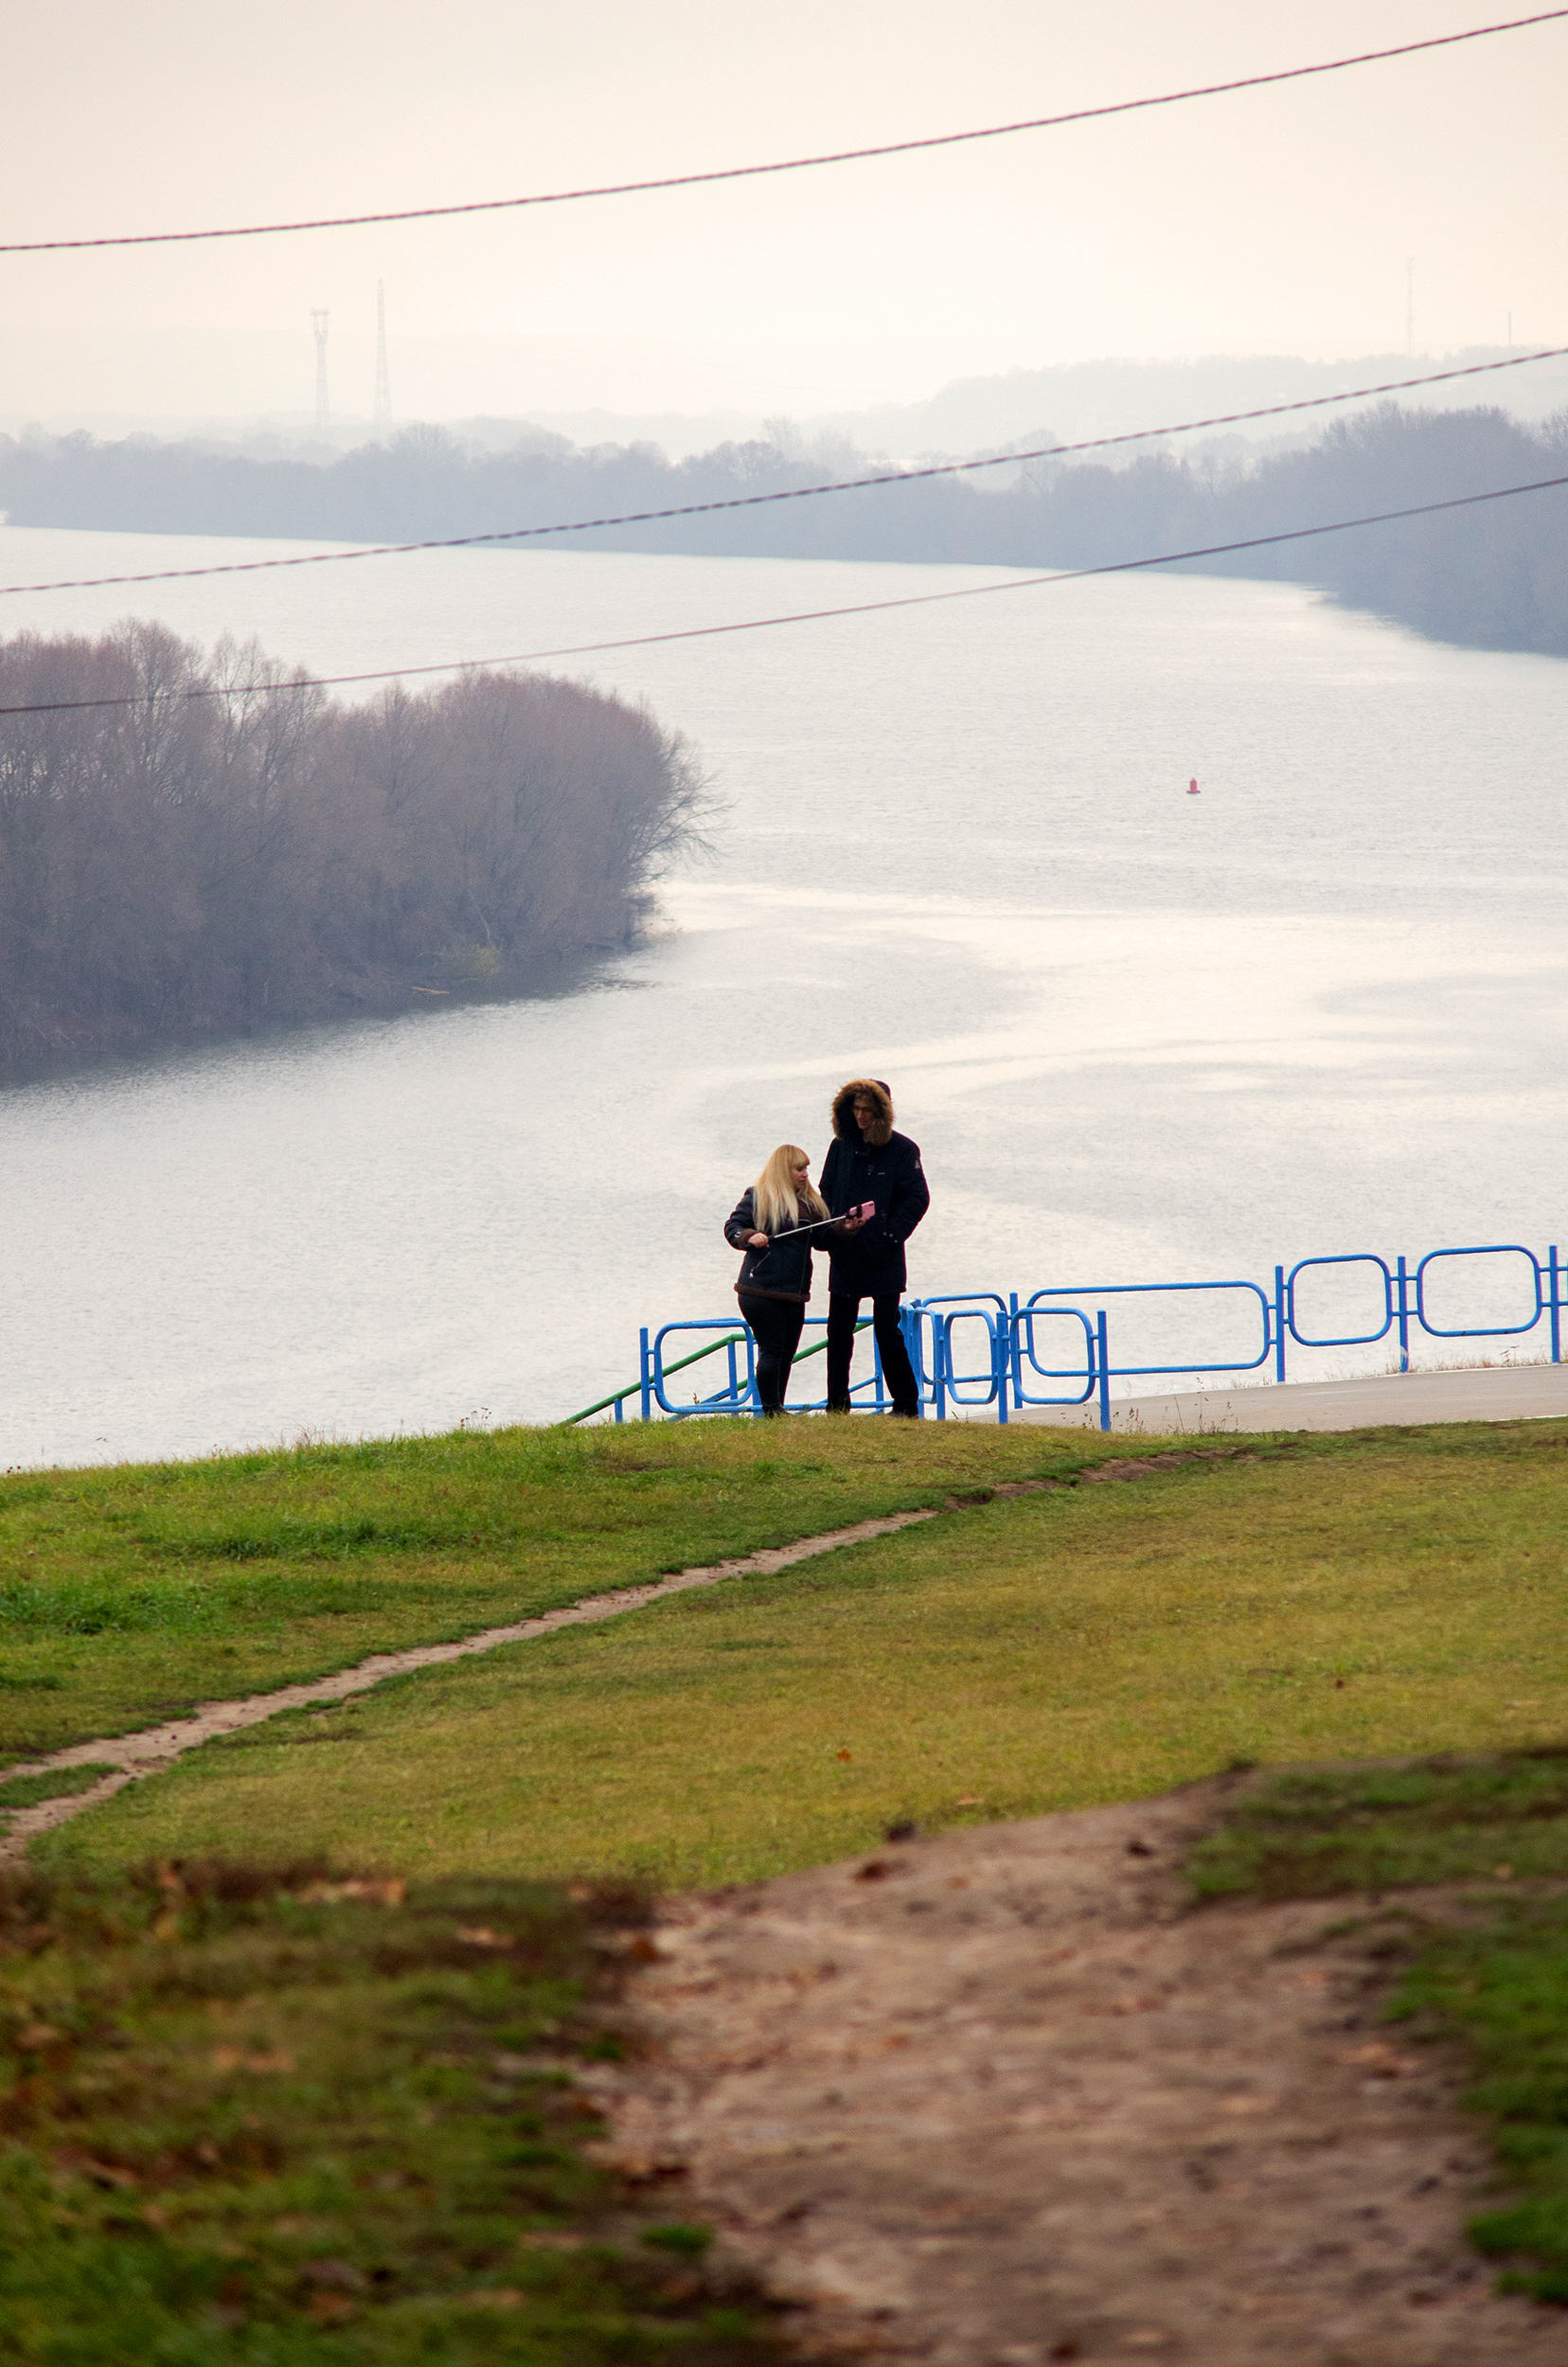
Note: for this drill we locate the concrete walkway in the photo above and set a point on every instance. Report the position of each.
(1494, 1392)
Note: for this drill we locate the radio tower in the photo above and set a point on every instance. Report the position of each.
(384, 376)
(323, 413)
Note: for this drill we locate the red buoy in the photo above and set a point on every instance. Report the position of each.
(1193, 790)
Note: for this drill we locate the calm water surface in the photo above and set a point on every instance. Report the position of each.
(1140, 1035)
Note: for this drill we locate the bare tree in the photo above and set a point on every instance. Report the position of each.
(221, 846)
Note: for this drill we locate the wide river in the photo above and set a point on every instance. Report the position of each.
(1140, 1035)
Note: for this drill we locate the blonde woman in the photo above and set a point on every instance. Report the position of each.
(775, 1222)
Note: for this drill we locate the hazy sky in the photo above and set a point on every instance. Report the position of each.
(1269, 220)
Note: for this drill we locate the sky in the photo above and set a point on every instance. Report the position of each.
(1265, 222)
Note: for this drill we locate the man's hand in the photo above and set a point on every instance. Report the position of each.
(756, 1241)
(851, 1224)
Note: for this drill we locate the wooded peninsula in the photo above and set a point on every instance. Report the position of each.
(197, 843)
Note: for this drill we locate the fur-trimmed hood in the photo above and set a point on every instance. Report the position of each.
(880, 1132)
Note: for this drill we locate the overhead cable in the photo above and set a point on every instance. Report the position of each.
(787, 164)
(805, 615)
(788, 494)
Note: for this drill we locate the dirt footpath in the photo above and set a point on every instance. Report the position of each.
(997, 2098)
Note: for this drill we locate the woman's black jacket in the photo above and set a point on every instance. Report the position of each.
(871, 1263)
(783, 1270)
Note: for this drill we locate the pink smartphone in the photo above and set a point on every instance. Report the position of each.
(867, 1210)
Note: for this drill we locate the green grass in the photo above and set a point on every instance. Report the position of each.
(1316, 1831)
(1492, 1968)
(1503, 1987)
(1335, 1600)
(252, 2119)
(24, 1792)
(128, 1594)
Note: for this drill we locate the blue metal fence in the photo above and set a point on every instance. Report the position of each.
(977, 1351)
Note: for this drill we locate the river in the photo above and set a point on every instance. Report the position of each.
(1140, 1035)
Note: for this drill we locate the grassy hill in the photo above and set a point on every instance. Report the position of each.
(287, 2032)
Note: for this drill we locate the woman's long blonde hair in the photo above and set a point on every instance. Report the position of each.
(776, 1200)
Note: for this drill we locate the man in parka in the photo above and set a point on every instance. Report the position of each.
(867, 1161)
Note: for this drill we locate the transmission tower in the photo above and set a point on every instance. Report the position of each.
(384, 376)
(324, 412)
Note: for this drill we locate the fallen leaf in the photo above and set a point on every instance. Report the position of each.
(1382, 2060)
(480, 1936)
(390, 1893)
(101, 2173)
(842, 1755)
(969, 1800)
(341, 2273)
(228, 2058)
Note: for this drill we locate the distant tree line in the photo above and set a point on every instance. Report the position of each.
(1495, 577)
(226, 849)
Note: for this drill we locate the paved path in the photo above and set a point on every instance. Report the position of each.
(1494, 1392)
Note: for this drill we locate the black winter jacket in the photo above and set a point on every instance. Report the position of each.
(888, 1171)
(783, 1270)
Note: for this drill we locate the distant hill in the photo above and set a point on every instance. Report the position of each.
(1493, 576)
(1084, 398)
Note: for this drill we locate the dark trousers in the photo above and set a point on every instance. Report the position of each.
(774, 1325)
(898, 1372)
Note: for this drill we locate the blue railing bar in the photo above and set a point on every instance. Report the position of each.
(954, 1382)
(1122, 1290)
(1134, 1290)
(738, 1396)
(1556, 1308)
(1348, 1339)
(1476, 1331)
(1102, 1357)
(1025, 1318)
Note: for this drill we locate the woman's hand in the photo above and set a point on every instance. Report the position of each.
(756, 1241)
(851, 1224)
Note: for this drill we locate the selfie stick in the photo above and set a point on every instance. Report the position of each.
(867, 1209)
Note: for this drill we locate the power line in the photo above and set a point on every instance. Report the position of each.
(788, 164)
(811, 615)
(789, 493)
